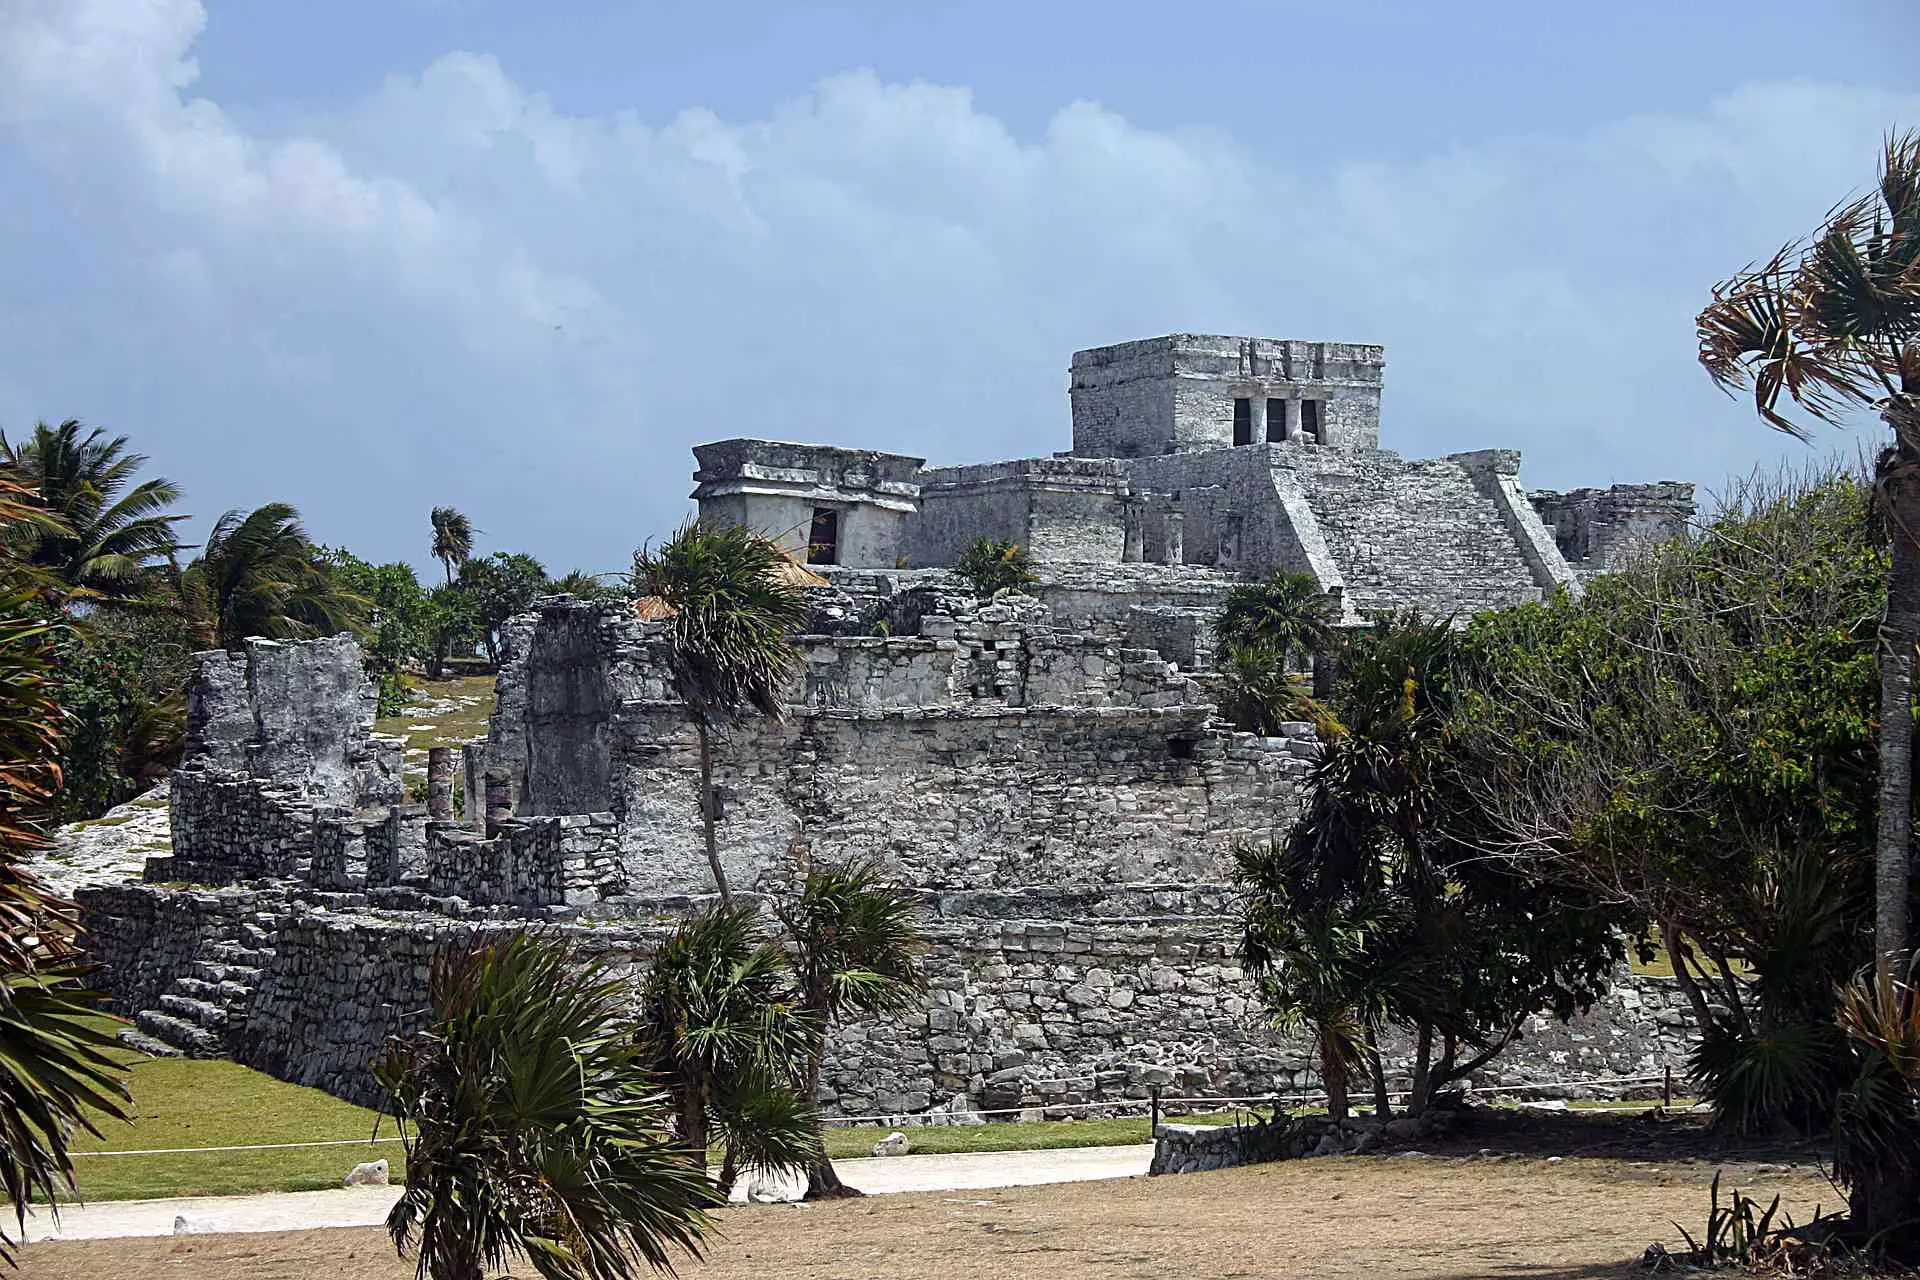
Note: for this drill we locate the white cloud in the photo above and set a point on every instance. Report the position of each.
(451, 291)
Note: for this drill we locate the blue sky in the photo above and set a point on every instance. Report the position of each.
(377, 255)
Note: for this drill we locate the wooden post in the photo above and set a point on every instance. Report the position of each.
(1155, 1128)
(1666, 1089)
(440, 784)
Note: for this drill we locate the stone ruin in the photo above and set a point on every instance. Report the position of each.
(1048, 773)
(1064, 806)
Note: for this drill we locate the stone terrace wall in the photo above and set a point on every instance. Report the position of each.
(1023, 1011)
(1005, 800)
(991, 749)
(230, 827)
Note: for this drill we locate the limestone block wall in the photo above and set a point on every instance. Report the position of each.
(1238, 519)
(1059, 509)
(1602, 529)
(1031, 1003)
(229, 827)
(286, 712)
(1176, 393)
(1006, 799)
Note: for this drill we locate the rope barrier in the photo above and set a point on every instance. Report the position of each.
(931, 1119)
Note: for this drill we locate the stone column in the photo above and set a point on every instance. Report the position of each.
(440, 784)
(1257, 410)
(1130, 545)
(1173, 534)
(499, 801)
(1290, 419)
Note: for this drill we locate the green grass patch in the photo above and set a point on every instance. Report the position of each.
(474, 696)
(189, 1103)
(845, 1142)
(180, 1102)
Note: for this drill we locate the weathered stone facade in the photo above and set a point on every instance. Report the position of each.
(1040, 999)
(1049, 773)
(1235, 455)
(1064, 804)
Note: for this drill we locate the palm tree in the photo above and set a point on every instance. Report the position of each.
(731, 610)
(1316, 965)
(532, 1125)
(452, 539)
(1832, 324)
(992, 565)
(855, 948)
(721, 1025)
(260, 575)
(116, 533)
(1285, 616)
(57, 1069)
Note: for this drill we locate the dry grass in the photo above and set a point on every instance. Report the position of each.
(1402, 1216)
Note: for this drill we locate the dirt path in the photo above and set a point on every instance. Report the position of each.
(1400, 1216)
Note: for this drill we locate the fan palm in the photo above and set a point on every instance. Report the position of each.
(57, 1070)
(721, 1025)
(452, 539)
(1832, 325)
(1285, 616)
(112, 534)
(1315, 962)
(260, 575)
(992, 565)
(730, 613)
(855, 945)
(532, 1125)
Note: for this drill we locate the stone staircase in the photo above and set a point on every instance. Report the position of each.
(201, 1011)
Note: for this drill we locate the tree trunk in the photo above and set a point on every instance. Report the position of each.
(1422, 1070)
(823, 1180)
(1676, 956)
(729, 1173)
(1382, 1100)
(709, 818)
(1885, 1202)
(1333, 1071)
(1892, 872)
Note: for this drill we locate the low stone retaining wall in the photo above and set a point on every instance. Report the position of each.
(1021, 1012)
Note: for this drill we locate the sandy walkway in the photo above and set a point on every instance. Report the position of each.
(1335, 1218)
(366, 1207)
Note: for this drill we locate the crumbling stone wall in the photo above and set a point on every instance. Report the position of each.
(275, 735)
(230, 827)
(1066, 509)
(1602, 529)
(1031, 1003)
(284, 711)
(989, 749)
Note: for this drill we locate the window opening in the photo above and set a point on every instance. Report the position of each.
(823, 540)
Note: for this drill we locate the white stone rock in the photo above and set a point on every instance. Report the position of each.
(894, 1144)
(371, 1174)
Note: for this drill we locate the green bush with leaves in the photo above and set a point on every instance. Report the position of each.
(260, 575)
(1382, 908)
(532, 1124)
(1265, 633)
(993, 565)
(499, 586)
(1695, 739)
